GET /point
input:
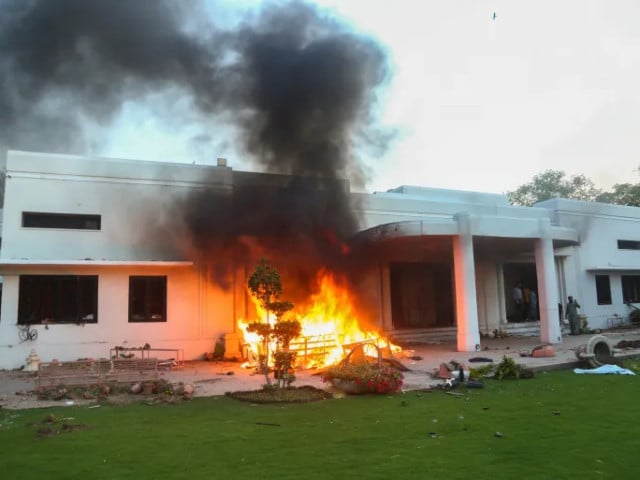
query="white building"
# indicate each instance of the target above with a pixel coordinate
(88, 261)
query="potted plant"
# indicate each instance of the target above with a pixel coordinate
(283, 367)
(363, 375)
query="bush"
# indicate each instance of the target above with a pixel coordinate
(507, 368)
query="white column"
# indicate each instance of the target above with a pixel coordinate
(550, 331)
(465, 282)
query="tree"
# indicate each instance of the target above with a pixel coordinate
(265, 285)
(553, 184)
(622, 194)
(556, 183)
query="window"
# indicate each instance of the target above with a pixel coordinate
(603, 290)
(147, 299)
(58, 299)
(631, 288)
(61, 220)
(629, 244)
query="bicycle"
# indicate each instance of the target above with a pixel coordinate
(26, 333)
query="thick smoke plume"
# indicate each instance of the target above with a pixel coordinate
(299, 85)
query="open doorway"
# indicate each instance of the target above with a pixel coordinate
(524, 275)
(421, 295)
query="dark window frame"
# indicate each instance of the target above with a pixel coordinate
(57, 299)
(603, 289)
(147, 298)
(629, 244)
(69, 221)
(630, 288)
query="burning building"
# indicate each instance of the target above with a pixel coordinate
(98, 253)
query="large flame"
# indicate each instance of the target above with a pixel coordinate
(330, 326)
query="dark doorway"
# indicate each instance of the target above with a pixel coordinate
(525, 275)
(421, 295)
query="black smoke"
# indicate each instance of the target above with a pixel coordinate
(299, 85)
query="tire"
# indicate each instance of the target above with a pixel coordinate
(33, 335)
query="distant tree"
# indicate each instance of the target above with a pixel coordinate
(622, 194)
(552, 184)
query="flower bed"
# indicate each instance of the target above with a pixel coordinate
(364, 377)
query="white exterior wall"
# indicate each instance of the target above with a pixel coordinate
(134, 201)
(197, 314)
(139, 227)
(600, 227)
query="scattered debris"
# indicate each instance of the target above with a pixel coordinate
(481, 359)
(207, 380)
(540, 351)
(605, 370)
(52, 425)
(596, 352)
(474, 384)
(136, 388)
(444, 372)
(87, 395)
(187, 391)
(499, 333)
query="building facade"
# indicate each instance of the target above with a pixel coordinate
(94, 256)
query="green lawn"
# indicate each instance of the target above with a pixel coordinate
(558, 425)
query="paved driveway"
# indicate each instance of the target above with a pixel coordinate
(216, 378)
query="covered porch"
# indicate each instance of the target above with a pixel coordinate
(455, 277)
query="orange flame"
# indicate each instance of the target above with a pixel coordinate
(330, 326)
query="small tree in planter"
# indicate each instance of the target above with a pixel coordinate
(265, 285)
(283, 332)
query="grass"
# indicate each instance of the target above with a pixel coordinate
(557, 425)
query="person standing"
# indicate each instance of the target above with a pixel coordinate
(517, 300)
(526, 302)
(571, 312)
(533, 305)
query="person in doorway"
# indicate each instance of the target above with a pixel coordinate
(526, 302)
(571, 313)
(533, 305)
(517, 300)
